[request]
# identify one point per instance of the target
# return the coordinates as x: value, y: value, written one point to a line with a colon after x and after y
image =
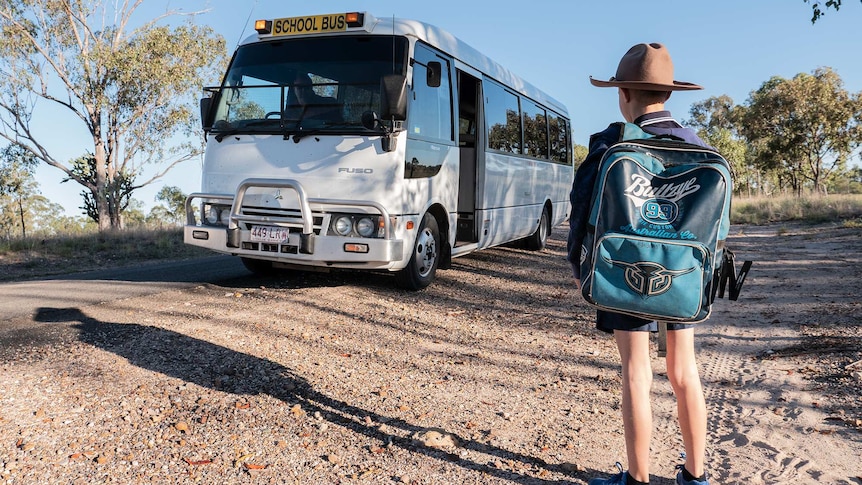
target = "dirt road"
x: 492, y: 375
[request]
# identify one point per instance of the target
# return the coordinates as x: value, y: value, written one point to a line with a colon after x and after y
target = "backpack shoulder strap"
x: 631, y: 131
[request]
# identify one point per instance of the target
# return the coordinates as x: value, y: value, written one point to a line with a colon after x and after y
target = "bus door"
x: 470, y: 147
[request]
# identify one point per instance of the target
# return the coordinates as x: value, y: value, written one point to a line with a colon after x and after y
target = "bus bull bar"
x: 234, y: 231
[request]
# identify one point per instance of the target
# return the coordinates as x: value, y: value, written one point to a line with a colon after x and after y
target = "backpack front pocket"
x: 657, y: 278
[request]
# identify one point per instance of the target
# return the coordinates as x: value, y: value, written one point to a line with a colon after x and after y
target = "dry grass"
x: 30, y: 257
x: 844, y: 208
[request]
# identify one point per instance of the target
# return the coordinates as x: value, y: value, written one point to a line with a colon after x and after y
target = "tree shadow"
x: 222, y: 369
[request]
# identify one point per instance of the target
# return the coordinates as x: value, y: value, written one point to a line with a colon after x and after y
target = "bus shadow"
x: 203, y: 363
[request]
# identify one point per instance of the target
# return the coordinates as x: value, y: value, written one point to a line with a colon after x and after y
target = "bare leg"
x: 691, y: 406
x: 637, y: 409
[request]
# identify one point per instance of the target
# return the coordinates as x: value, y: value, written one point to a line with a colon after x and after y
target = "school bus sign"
x: 312, y: 24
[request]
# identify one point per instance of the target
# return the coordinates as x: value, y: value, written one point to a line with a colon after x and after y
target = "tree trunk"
x: 21, y: 216
x: 101, y: 198
x: 116, y: 215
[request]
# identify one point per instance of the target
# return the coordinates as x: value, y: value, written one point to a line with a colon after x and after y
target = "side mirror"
x: 388, y: 138
x: 434, y: 74
x: 206, y: 103
x: 394, y: 97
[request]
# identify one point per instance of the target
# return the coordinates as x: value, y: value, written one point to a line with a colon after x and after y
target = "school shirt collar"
x: 657, y: 118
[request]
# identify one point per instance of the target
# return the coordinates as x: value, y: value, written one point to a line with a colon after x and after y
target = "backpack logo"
x: 646, y: 278
x: 659, y: 211
x: 658, y: 205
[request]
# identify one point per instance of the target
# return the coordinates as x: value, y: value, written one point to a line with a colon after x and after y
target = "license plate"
x: 269, y: 234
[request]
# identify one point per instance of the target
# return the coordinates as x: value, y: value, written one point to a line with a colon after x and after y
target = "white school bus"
x: 348, y: 141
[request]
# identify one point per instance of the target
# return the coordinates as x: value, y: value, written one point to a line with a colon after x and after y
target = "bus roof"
x: 444, y: 41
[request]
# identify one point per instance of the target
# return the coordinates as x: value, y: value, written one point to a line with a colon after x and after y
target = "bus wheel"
x: 537, y: 241
x: 422, y: 268
x: 259, y: 267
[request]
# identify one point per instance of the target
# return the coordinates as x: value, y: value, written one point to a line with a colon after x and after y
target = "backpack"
x: 659, y: 217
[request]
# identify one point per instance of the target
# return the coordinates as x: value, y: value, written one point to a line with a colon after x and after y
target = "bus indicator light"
x: 355, y: 248
x: 354, y: 19
x: 409, y: 225
x: 263, y: 26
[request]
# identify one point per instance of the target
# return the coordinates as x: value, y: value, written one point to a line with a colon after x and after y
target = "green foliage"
x: 713, y: 114
x: 580, y: 153
x: 117, y: 192
x: 18, y: 189
x: 175, y: 203
x: 16, y: 171
x: 818, y: 10
x: 805, y: 128
x: 797, y: 134
x: 132, y: 89
x: 716, y: 120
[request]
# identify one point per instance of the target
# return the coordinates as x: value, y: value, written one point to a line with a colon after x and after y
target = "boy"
x: 644, y: 80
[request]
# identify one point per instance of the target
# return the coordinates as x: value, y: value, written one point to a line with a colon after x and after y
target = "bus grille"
x: 292, y: 218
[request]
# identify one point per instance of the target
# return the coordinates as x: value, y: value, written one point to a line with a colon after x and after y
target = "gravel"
x: 494, y: 374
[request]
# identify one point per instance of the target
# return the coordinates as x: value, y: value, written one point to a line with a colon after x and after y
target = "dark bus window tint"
x: 535, y: 130
x: 345, y: 71
x: 559, y: 129
x: 504, y: 119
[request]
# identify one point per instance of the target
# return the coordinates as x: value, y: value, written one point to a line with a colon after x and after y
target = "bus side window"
x: 430, y: 111
x: 503, y: 116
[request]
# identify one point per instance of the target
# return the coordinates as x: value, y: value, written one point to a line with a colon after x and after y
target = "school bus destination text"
x: 298, y: 25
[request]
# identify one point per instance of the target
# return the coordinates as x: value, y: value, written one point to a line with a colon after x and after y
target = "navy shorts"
x: 609, y: 321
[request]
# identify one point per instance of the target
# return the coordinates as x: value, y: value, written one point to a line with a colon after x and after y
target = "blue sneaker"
x: 682, y: 481
x: 618, y: 479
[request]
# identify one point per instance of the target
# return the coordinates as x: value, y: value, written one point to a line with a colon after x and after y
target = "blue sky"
x: 729, y: 47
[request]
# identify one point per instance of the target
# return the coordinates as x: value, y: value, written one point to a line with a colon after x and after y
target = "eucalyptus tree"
x: 118, y: 189
x: 131, y: 86
x: 806, y: 128
x: 18, y: 187
x: 716, y: 120
x: 175, y: 203
x: 579, y: 153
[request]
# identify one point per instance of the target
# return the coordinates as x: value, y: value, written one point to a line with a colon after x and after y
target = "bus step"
x: 466, y: 228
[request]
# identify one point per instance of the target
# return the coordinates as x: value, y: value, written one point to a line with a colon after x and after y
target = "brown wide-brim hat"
x: 647, y: 67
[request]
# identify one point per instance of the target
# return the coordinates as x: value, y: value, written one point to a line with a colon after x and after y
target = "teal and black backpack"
x: 660, y: 215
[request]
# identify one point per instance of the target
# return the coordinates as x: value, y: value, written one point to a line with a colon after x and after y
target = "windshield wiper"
x: 220, y: 136
x: 300, y: 134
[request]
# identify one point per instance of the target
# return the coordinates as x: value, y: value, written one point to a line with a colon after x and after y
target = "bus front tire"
x: 537, y: 241
x: 422, y: 268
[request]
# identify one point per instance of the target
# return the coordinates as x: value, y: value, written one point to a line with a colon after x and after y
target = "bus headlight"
x: 355, y: 225
x: 365, y: 227
x: 216, y: 215
x: 343, y: 225
x: 212, y: 215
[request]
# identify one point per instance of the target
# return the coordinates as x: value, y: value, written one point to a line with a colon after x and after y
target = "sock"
x: 689, y: 477
x: 632, y: 481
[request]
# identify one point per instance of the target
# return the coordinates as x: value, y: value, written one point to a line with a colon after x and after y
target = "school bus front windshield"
x: 289, y: 86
